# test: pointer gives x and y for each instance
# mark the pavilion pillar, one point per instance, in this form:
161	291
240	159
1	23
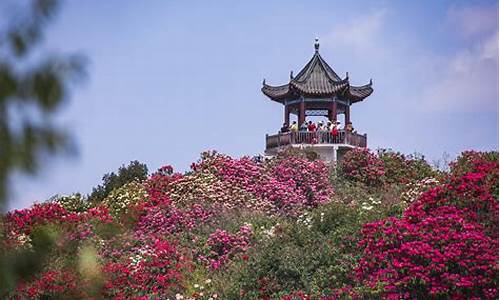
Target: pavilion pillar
287	115
333	112
347	114
302	112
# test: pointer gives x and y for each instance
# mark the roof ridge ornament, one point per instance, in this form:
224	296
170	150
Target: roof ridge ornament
347	75
316	44
371	81
291	74
264	81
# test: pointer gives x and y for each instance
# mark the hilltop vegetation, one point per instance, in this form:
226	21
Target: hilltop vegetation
378	225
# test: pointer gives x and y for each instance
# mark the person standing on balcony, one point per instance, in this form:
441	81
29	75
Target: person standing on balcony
334	130
328	126
321	126
285	128
348	127
320	129
311	126
294	128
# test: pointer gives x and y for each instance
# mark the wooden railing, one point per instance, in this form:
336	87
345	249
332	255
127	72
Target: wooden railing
319	137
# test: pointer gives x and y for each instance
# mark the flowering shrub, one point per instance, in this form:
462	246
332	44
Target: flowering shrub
73	203
281	185
205	187
23	220
483	162
383	167
413	190
472	161
445	244
120	199
296	295
158	183
162	218
369	204
268	229
363	166
400	168
221	246
307	176
157	274
52	284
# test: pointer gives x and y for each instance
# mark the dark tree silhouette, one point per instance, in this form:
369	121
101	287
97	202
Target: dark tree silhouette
31	92
110	181
32	88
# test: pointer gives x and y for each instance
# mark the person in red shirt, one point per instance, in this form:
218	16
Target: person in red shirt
334	130
311	126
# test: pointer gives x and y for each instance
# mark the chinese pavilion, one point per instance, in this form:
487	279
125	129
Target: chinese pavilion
317	91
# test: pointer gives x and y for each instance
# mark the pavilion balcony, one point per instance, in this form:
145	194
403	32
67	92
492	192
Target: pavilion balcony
315	138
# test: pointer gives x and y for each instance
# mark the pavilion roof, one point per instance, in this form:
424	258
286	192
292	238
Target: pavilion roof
316	80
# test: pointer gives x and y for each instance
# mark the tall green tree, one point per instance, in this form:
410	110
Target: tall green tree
31	91
110	181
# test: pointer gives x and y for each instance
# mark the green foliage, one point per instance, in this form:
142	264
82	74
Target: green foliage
25	261
30	93
316	252
135	171
401	168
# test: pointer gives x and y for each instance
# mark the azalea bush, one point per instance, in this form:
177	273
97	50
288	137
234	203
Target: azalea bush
222	246
378	225
384	167
121	199
403	169
445	245
413	190
155	271
73	203
361	165
479	162
283	185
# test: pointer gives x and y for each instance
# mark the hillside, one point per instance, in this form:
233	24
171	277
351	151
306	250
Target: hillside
378	225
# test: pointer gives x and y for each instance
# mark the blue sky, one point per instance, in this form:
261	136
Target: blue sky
170	79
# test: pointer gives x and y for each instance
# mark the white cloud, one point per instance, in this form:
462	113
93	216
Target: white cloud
360	34
468	80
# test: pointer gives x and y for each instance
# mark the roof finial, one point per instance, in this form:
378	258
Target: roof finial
264	81
347	75
371	82
291	74
316	44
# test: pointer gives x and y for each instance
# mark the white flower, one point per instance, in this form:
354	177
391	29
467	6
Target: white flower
196	285
179	297
208	281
